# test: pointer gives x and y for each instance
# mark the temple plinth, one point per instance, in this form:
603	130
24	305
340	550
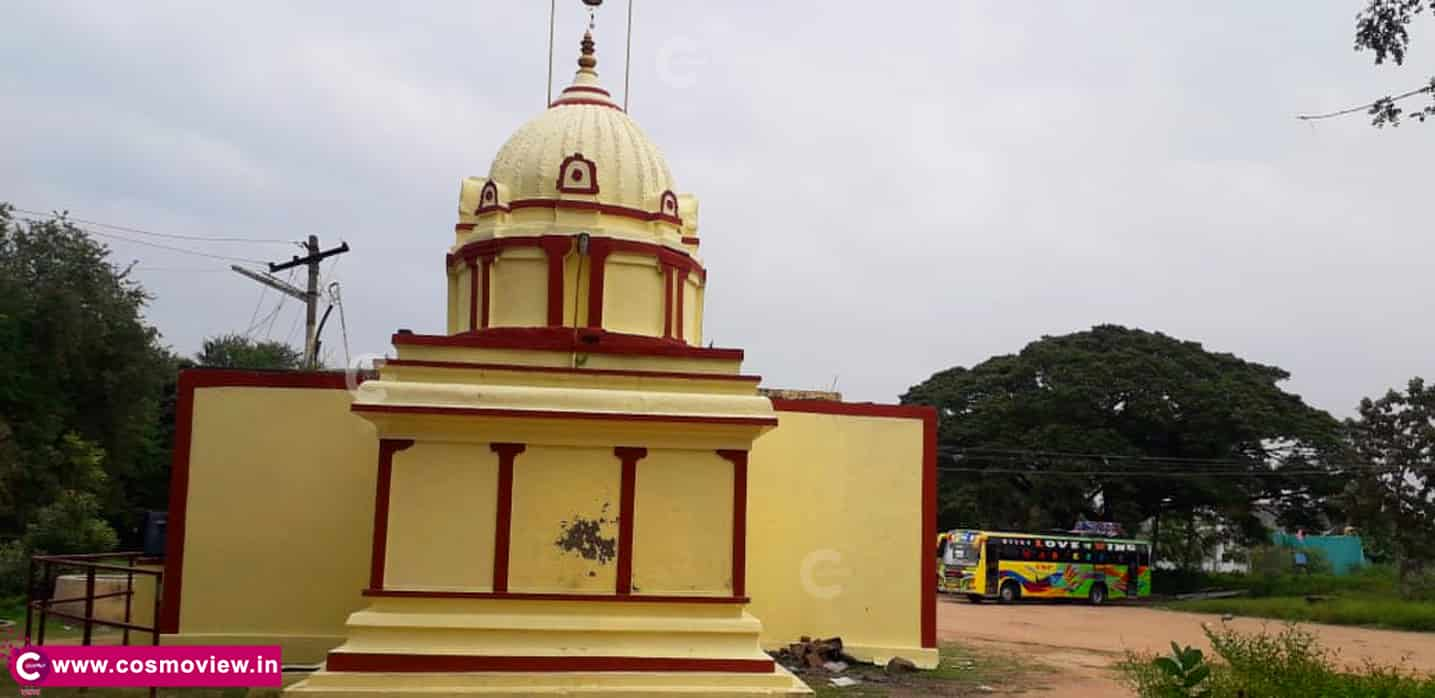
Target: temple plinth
561	500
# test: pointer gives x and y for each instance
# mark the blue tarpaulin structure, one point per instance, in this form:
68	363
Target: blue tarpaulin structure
1345	553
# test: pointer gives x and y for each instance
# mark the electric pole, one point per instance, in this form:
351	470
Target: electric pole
310	296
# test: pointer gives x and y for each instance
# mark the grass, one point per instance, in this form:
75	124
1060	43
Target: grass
1366	598
962	671
1364	610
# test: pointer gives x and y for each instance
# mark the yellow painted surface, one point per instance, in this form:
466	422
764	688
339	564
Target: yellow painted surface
835	540
452	322
281	496
461	300
682	532
577	271
565	379
442	508
633	295
565	520
692	311
519	280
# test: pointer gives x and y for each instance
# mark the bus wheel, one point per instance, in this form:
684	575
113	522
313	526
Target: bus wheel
975	598
1097	596
1009	592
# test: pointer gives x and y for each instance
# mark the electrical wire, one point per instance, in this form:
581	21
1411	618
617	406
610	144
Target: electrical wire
141	231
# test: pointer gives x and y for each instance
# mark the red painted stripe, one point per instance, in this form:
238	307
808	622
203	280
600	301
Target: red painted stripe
564	414
379	553
529	596
586	340
189	380
586	88
583	101
929	526
502	530
691	241
739	519
441	663
630	456
463	365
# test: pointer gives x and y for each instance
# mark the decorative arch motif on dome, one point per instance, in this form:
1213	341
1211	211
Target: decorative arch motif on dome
668	207
489	199
578	175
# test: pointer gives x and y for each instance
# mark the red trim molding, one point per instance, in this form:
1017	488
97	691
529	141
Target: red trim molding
586	88
189	381
739	519
379	554
564	414
502	530
854	409
473	283
630	455
567	339
529	596
461	365
451	663
606	209
666	255
691	240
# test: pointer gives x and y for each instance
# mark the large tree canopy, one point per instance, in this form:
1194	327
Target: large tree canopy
1188	430
1392	496
83	376
239	351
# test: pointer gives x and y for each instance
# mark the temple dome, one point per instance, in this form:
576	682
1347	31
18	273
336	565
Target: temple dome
584	124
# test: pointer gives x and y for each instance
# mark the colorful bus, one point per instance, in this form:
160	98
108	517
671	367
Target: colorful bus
1009	566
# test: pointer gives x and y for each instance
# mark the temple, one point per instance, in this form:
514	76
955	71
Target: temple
564	492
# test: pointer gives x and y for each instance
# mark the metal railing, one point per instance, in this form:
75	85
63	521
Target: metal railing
49	567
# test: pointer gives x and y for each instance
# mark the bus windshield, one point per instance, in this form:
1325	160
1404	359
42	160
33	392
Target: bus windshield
963	548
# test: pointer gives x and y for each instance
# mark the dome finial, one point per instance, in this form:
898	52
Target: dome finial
587	61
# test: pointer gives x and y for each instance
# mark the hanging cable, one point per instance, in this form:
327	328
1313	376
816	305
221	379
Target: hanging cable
628	56
142	231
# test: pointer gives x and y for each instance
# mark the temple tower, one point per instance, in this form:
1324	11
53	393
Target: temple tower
562	477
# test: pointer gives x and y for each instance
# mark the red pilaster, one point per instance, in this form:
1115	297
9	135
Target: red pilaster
387	449
503	527
929	525
556	247
473	284
739	519
630	457
680	327
667	300
598	250
487	270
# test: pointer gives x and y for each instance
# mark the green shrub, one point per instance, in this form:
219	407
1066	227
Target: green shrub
1291	663
14	568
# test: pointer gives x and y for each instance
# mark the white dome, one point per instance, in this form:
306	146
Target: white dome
629	169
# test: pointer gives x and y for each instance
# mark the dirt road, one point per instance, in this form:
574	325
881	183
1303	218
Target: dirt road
1082	642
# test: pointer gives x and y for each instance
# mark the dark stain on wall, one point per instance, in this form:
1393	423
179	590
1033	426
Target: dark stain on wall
584	537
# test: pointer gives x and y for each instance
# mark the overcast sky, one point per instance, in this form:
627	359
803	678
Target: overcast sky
888	189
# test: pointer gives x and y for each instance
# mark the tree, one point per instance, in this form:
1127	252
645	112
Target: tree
1185	430
83	375
239	351
1381	29
1393	497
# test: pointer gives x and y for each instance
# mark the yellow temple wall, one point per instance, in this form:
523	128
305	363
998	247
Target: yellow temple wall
277	520
279	514
834	532
633	295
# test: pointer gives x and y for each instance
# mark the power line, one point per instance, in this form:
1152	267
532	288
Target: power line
1366	107
141	231
1139	473
172	248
